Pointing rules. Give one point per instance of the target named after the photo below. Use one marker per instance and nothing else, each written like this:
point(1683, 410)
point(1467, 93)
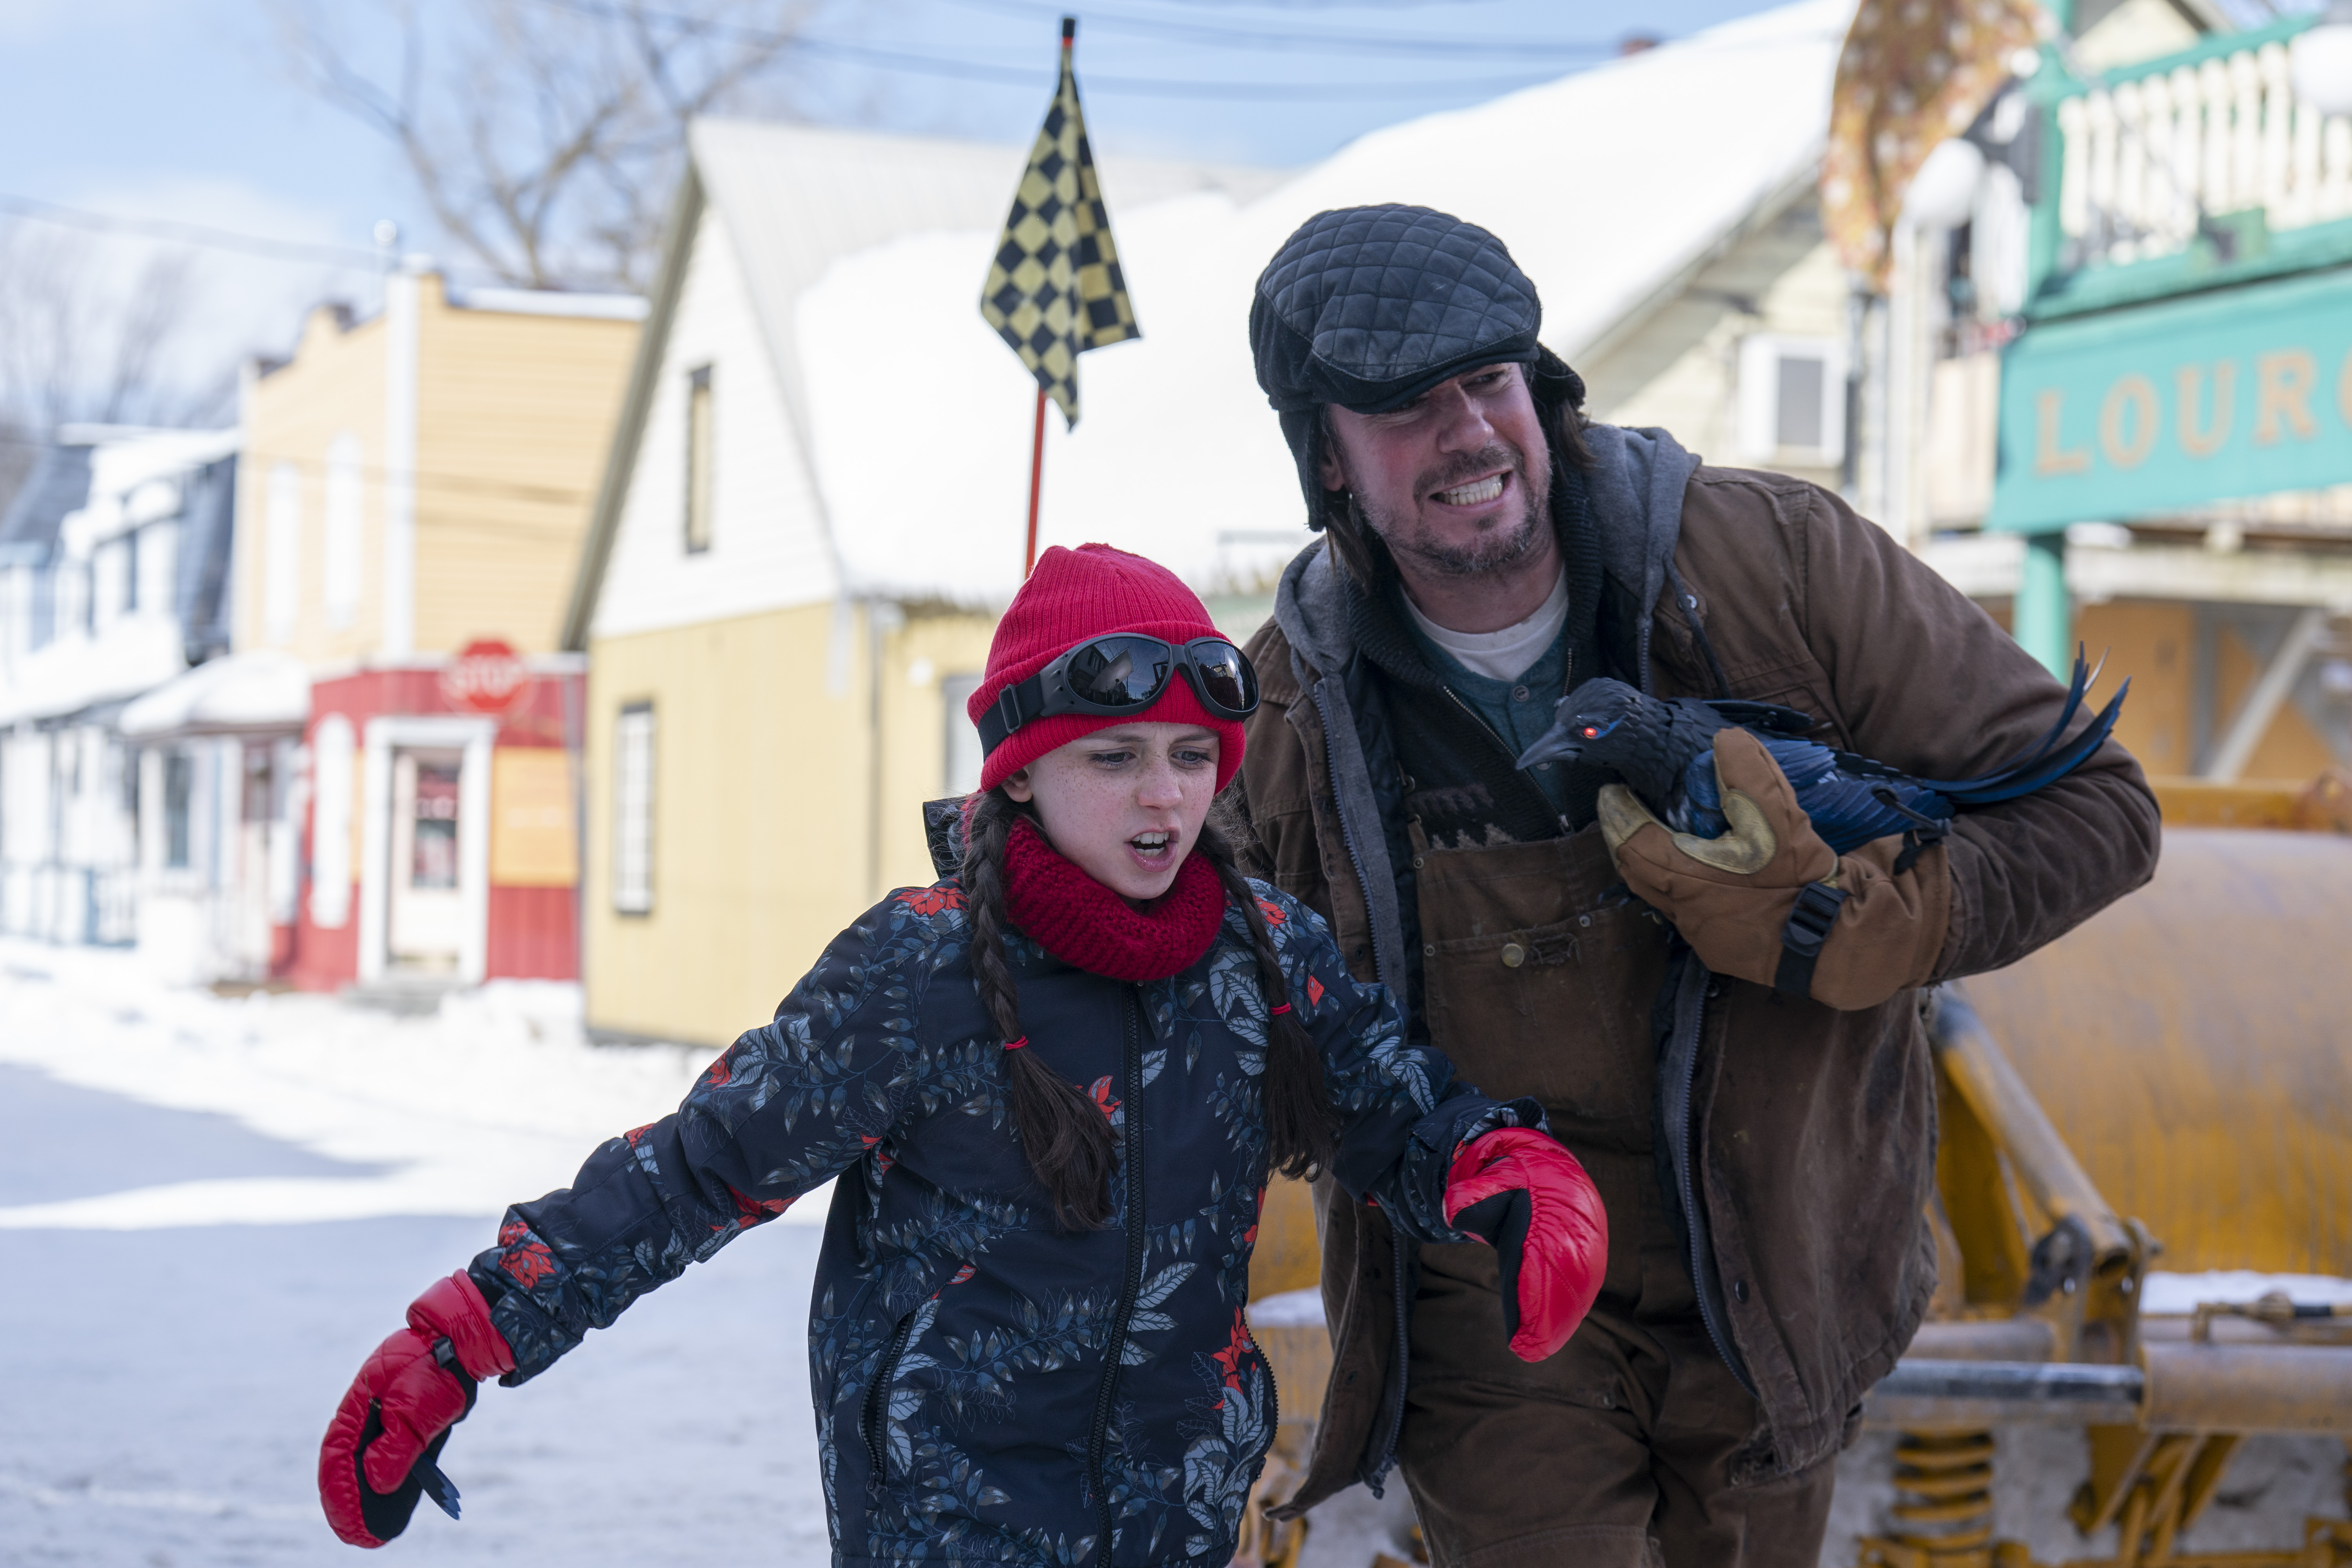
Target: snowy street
point(216, 1208)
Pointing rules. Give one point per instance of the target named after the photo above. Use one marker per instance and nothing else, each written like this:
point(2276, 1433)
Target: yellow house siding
point(766, 842)
point(759, 821)
point(513, 415)
point(916, 663)
point(292, 416)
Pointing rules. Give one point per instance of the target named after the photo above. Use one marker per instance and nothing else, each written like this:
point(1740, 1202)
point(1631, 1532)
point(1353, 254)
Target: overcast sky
point(187, 109)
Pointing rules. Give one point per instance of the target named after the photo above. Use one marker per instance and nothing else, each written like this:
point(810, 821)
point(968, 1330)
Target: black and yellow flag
point(1055, 289)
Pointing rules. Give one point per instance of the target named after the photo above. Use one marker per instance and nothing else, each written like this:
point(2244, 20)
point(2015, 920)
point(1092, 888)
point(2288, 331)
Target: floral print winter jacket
point(989, 1390)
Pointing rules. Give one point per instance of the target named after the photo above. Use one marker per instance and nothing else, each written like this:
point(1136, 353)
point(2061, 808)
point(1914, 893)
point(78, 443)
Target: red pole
point(1037, 438)
point(1036, 478)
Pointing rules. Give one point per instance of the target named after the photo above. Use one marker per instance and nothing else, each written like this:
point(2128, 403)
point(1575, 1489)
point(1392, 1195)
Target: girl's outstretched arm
point(789, 1105)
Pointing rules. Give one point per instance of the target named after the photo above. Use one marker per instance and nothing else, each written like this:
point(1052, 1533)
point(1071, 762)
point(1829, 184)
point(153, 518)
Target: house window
point(179, 779)
point(1792, 400)
point(963, 754)
point(341, 551)
point(699, 442)
point(632, 810)
point(281, 583)
point(333, 748)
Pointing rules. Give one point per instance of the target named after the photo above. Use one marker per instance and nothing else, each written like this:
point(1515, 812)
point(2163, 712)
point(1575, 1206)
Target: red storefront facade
point(440, 841)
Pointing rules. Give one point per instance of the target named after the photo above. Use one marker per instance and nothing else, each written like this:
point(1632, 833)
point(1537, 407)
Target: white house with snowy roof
point(815, 504)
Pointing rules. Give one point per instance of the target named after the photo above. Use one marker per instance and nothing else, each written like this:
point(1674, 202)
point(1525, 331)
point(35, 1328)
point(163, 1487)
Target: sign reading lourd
point(2134, 413)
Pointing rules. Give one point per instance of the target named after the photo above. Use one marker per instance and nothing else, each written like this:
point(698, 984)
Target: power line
point(420, 480)
point(345, 255)
point(1041, 75)
point(1342, 43)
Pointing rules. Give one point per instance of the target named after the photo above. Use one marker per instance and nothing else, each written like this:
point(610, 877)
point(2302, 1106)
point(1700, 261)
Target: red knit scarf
point(1089, 927)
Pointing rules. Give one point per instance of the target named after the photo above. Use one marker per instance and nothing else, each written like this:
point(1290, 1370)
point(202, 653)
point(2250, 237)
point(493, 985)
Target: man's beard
point(1498, 547)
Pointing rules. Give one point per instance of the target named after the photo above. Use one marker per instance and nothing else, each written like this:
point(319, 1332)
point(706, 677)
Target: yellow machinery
point(2173, 1080)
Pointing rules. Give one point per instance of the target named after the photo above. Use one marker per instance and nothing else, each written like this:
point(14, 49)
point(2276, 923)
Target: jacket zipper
point(1347, 834)
point(1706, 1281)
point(877, 1398)
point(1489, 729)
point(1099, 1442)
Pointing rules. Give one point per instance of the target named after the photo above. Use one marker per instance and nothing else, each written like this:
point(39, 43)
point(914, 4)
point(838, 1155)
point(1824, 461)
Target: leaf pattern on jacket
point(954, 1327)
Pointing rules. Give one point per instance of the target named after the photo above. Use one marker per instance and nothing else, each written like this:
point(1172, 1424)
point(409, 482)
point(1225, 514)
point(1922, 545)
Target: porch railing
point(2150, 154)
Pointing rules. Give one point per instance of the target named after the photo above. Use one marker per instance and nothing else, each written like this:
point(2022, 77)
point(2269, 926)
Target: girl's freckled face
point(1125, 803)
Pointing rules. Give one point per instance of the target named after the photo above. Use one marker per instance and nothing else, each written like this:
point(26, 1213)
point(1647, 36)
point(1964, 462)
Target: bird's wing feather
point(1765, 716)
point(1847, 812)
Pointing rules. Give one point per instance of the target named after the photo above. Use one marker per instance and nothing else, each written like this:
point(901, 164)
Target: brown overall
point(1539, 976)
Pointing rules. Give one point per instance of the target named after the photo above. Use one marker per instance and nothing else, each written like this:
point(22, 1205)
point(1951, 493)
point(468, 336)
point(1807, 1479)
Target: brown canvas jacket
point(1814, 1129)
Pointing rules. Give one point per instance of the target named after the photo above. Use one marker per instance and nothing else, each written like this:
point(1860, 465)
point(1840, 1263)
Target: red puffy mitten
point(1521, 1192)
point(381, 1447)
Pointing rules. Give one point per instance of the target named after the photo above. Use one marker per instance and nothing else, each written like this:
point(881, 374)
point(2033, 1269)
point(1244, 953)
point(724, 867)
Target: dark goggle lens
point(1227, 678)
point(1119, 672)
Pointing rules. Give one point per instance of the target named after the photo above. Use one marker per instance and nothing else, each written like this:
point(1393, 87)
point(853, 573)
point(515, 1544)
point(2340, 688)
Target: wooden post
point(1036, 476)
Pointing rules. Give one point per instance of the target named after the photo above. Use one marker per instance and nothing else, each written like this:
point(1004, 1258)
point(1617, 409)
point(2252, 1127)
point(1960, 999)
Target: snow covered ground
point(214, 1208)
point(217, 1207)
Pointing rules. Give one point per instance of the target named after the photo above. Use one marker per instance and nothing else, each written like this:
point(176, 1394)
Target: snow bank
point(2180, 1293)
point(497, 1099)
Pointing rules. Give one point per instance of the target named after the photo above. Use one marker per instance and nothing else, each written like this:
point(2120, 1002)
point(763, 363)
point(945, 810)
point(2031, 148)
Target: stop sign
point(487, 676)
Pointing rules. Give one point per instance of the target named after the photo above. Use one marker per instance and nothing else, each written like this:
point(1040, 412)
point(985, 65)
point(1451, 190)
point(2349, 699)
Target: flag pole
point(1038, 435)
point(1036, 476)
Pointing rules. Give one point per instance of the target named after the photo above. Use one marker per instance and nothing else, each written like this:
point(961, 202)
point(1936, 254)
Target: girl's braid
point(1067, 1136)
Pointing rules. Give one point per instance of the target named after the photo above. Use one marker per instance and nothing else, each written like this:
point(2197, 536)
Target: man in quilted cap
point(1762, 1132)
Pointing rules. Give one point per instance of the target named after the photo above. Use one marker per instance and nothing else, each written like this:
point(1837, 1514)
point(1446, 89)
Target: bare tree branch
point(80, 340)
point(544, 136)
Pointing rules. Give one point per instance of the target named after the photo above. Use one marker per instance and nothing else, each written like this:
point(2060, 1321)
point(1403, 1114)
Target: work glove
point(1862, 932)
point(1523, 1194)
point(381, 1449)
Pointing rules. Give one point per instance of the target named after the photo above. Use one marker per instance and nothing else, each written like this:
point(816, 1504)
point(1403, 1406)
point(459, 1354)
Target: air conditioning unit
point(1792, 400)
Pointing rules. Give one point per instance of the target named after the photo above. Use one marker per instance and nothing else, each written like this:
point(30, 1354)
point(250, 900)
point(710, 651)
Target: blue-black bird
point(1662, 748)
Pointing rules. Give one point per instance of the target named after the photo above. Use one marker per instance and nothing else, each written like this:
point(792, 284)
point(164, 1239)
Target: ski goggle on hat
point(1123, 674)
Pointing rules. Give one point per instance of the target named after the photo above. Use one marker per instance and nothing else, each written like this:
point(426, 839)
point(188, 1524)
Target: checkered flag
point(1055, 289)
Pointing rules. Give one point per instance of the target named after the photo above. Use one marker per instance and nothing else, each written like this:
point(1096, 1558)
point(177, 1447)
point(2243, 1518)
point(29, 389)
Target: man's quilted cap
point(1371, 307)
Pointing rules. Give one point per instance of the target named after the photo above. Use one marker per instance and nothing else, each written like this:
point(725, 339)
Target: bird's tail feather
point(2037, 763)
point(2043, 770)
point(2078, 685)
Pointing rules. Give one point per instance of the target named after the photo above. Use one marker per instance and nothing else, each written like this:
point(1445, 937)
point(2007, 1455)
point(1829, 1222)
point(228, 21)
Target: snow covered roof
point(867, 251)
point(127, 476)
point(59, 484)
point(138, 477)
point(1605, 184)
point(263, 689)
point(796, 200)
point(548, 302)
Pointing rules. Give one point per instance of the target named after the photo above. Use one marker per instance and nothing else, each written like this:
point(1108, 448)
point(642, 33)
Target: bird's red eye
point(1592, 731)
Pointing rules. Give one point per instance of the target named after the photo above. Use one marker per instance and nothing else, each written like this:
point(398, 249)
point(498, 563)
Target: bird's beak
point(1561, 743)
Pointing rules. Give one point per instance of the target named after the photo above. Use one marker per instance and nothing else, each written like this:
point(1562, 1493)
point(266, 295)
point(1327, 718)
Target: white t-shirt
point(1504, 655)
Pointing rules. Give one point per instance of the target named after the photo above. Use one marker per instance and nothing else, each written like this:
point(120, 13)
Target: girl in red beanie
point(1054, 1085)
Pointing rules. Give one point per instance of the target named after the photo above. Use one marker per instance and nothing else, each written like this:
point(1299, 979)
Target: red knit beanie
point(1091, 591)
